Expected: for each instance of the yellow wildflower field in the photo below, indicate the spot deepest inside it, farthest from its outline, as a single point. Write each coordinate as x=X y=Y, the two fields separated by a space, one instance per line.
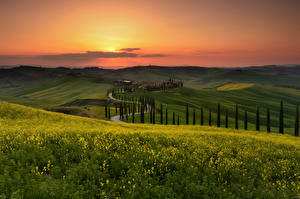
x=52 y=155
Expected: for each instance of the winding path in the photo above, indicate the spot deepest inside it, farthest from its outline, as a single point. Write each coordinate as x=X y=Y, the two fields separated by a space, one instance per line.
x=116 y=118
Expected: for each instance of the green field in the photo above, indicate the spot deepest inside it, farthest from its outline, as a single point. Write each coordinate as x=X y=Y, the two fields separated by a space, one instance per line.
x=52 y=155
x=60 y=94
x=55 y=91
x=83 y=91
x=247 y=98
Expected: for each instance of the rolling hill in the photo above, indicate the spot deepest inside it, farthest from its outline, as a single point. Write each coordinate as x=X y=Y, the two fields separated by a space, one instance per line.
x=248 y=98
x=82 y=91
x=52 y=155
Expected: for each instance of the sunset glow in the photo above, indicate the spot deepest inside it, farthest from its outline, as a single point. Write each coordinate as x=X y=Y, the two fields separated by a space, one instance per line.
x=159 y=32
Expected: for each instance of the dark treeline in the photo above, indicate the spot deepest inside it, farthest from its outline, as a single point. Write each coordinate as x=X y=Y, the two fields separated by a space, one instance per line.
x=126 y=86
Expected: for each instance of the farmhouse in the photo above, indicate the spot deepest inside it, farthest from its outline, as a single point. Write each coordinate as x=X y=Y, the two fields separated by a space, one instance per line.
x=123 y=82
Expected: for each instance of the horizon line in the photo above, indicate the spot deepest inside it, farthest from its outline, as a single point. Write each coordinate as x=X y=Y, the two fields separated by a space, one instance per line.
x=134 y=66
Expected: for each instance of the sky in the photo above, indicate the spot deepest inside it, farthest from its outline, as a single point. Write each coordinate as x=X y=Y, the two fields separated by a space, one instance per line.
x=121 y=33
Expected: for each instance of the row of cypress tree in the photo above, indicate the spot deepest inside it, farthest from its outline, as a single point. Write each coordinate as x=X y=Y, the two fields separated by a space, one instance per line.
x=147 y=104
x=257 y=123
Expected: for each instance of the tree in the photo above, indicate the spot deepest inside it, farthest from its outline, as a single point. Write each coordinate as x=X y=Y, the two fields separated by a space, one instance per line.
x=268 y=121
x=178 y=120
x=246 y=121
x=166 y=116
x=202 y=119
x=153 y=114
x=142 y=108
x=129 y=108
x=281 y=118
x=257 y=119
x=187 y=114
x=161 y=114
x=126 y=113
x=209 y=118
x=226 y=119
x=219 y=116
x=236 y=117
x=109 y=111
x=151 y=111
x=194 y=117
x=106 y=110
x=133 y=113
x=121 y=111
x=173 y=118
x=297 y=122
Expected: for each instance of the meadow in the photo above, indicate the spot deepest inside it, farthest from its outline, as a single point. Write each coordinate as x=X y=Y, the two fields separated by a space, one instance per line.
x=52 y=155
x=247 y=96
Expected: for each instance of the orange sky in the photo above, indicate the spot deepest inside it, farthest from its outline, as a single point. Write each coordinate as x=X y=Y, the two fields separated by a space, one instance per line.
x=142 y=32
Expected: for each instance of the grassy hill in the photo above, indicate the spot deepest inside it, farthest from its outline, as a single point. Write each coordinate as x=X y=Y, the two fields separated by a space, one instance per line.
x=247 y=96
x=55 y=91
x=60 y=89
x=83 y=91
x=52 y=155
x=194 y=77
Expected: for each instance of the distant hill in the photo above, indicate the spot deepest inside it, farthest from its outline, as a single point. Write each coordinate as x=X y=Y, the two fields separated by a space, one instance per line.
x=51 y=88
x=193 y=76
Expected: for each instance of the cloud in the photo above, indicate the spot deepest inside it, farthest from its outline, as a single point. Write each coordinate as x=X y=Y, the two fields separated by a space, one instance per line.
x=223 y=53
x=154 y=55
x=70 y=58
x=87 y=56
x=129 y=49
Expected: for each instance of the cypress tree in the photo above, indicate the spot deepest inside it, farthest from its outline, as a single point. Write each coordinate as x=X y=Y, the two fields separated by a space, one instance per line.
x=105 y=110
x=126 y=113
x=246 y=121
x=281 y=118
x=209 y=118
x=187 y=114
x=109 y=111
x=166 y=116
x=161 y=114
x=121 y=111
x=268 y=121
x=178 y=120
x=133 y=113
x=257 y=119
x=129 y=108
x=226 y=119
x=219 y=116
x=143 y=113
x=194 y=117
x=297 y=122
x=236 y=117
x=173 y=118
x=202 y=119
x=153 y=114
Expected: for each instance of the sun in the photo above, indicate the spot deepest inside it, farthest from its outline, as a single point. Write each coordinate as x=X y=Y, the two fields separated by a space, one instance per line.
x=111 y=49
